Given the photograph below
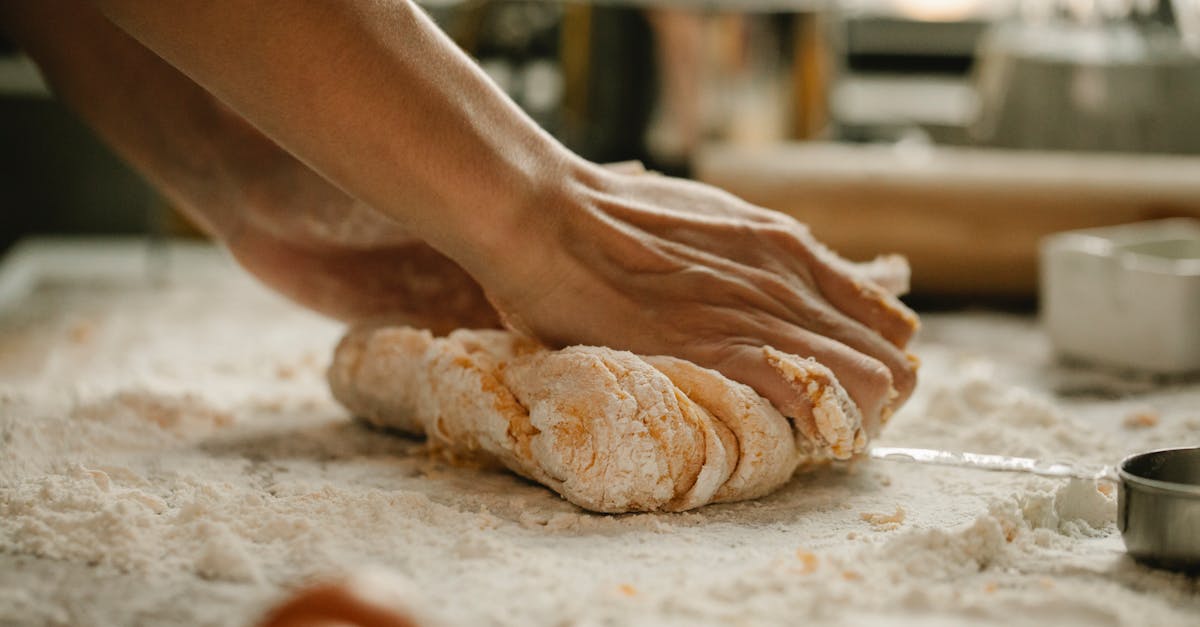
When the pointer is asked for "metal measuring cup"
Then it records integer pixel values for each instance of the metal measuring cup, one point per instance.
(1158, 507)
(1158, 495)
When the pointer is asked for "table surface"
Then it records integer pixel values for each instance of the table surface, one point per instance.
(169, 454)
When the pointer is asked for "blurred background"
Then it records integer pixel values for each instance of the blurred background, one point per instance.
(956, 132)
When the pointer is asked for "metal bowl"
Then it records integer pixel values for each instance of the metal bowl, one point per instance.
(1158, 508)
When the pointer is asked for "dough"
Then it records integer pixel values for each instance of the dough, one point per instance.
(608, 430)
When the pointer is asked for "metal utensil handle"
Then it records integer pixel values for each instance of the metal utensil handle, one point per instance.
(993, 462)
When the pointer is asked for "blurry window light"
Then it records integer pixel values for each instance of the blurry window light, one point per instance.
(937, 10)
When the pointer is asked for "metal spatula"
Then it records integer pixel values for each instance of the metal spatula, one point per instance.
(994, 462)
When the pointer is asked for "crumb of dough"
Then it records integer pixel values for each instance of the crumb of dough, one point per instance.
(81, 332)
(183, 414)
(885, 522)
(808, 561)
(627, 590)
(1141, 419)
(273, 406)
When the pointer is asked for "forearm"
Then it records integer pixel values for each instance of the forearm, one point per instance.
(213, 165)
(172, 131)
(286, 224)
(372, 95)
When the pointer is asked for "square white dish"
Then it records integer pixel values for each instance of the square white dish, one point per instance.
(1125, 296)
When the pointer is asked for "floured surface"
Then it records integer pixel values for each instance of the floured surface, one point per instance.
(170, 455)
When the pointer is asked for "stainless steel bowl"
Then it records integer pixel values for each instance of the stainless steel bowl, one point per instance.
(1158, 508)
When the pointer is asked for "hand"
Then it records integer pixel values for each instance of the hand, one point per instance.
(658, 265)
(405, 282)
(334, 255)
(309, 241)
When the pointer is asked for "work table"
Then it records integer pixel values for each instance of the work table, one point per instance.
(171, 455)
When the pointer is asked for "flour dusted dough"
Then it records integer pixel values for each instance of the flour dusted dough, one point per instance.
(609, 430)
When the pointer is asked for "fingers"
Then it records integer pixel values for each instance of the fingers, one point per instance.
(866, 317)
(791, 260)
(835, 417)
(850, 333)
(632, 166)
(795, 319)
(870, 382)
(891, 272)
(722, 281)
(866, 302)
(843, 286)
(788, 249)
(815, 328)
(825, 412)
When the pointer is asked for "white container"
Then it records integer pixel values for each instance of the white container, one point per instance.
(1125, 296)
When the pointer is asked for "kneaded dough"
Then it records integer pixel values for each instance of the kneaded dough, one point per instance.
(609, 430)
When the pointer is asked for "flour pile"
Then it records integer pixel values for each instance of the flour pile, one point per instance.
(171, 456)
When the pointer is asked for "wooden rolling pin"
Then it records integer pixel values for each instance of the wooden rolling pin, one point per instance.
(969, 220)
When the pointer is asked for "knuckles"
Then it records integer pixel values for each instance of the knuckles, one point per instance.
(788, 237)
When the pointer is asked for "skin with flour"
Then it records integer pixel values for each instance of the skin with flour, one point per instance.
(277, 131)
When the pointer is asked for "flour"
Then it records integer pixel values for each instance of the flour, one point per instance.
(180, 462)
(972, 411)
(1081, 508)
(1012, 530)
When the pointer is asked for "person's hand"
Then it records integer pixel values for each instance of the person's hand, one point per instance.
(308, 240)
(311, 242)
(658, 265)
(378, 273)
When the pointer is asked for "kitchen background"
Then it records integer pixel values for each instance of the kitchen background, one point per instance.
(957, 132)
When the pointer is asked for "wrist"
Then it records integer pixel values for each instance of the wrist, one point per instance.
(515, 236)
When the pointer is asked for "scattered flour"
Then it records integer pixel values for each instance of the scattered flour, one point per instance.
(972, 411)
(172, 458)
